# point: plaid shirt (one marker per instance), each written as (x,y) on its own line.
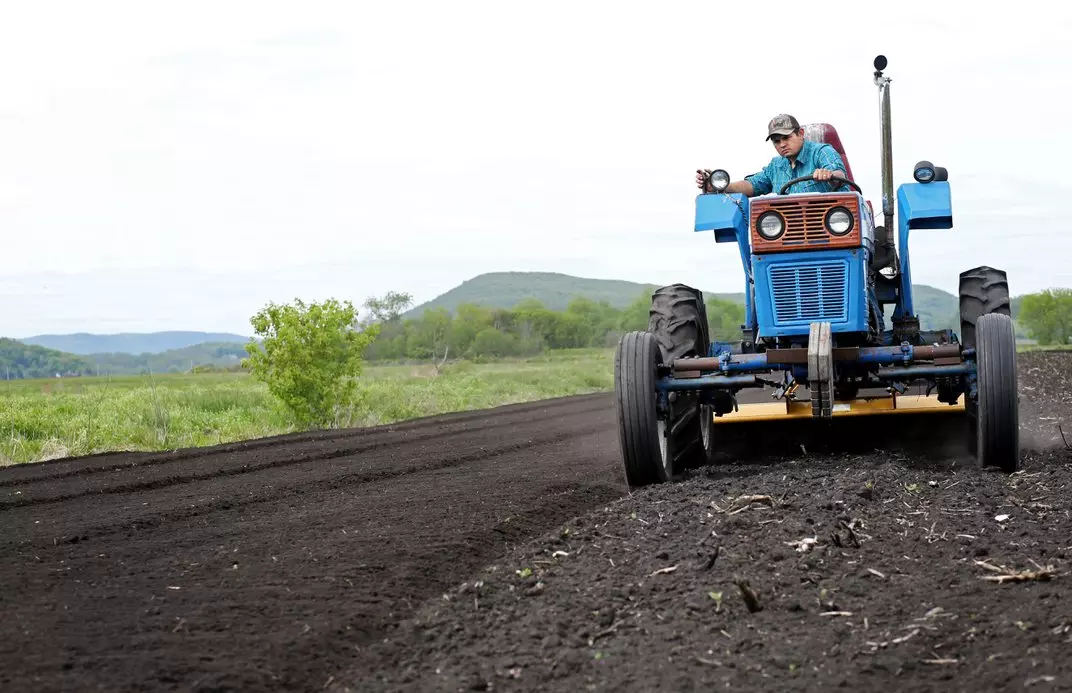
(812,155)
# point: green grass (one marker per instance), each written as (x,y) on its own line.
(49,418)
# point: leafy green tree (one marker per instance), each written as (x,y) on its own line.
(635,316)
(389,308)
(1047,315)
(469,320)
(309,356)
(429,335)
(724,318)
(492,342)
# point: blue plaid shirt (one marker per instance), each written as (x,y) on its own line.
(812,155)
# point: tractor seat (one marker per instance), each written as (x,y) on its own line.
(826,134)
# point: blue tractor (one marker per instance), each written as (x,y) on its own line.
(819,274)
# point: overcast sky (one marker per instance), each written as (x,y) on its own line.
(178,166)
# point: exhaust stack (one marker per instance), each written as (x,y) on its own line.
(883,84)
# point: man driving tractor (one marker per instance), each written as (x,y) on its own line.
(797,157)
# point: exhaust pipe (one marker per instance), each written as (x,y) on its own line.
(883,84)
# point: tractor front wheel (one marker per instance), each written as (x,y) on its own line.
(639,429)
(997,419)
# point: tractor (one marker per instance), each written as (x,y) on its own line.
(819,275)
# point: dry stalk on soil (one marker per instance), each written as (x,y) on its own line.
(742,503)
(1004,575)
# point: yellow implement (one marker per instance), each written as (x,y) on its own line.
(864,406)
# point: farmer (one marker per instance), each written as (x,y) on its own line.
(797,157)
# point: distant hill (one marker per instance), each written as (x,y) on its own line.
(221,355)
(128,343)
(18,360)
(936,308)
(507,289)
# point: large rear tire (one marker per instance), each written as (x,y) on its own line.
(997,427)
(678,320)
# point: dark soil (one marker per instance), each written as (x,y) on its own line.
(273,565)
(813,572)
(455,553)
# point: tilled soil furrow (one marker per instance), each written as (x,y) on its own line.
(213,466)
(282,577)
(147,510)
(237,453)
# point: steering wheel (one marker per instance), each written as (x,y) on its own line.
(838,179)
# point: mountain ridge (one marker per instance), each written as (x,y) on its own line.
(136,343)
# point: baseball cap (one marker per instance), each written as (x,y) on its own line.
(782,125)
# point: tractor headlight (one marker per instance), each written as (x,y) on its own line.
(770,225)
(720,180)
(926,172)
(838,221)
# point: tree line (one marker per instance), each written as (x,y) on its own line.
(1047,315)
(530,327)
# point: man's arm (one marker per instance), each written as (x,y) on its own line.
(829,165)
(741,186)
(757,183)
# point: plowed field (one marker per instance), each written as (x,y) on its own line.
(500,550)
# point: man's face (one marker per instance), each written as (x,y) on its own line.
(788,145)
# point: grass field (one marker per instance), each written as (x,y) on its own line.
(50,418)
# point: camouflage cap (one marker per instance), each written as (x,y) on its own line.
(782,125)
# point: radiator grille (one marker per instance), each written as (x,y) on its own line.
(804,228)
(803,293)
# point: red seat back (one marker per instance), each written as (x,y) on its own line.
(825,133)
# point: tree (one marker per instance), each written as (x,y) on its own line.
(389,308)
(1047,315)
(636,315)
(430,335)
(309,356)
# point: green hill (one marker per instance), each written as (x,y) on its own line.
(936,308)
(18,360)
(507,289)
(128,343)
(221,355)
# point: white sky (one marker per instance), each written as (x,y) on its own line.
(178,166)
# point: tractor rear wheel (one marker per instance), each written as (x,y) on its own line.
(678,319)
(983,291)
(997,424)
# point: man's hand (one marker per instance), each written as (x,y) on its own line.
(827,174)
(701,176)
